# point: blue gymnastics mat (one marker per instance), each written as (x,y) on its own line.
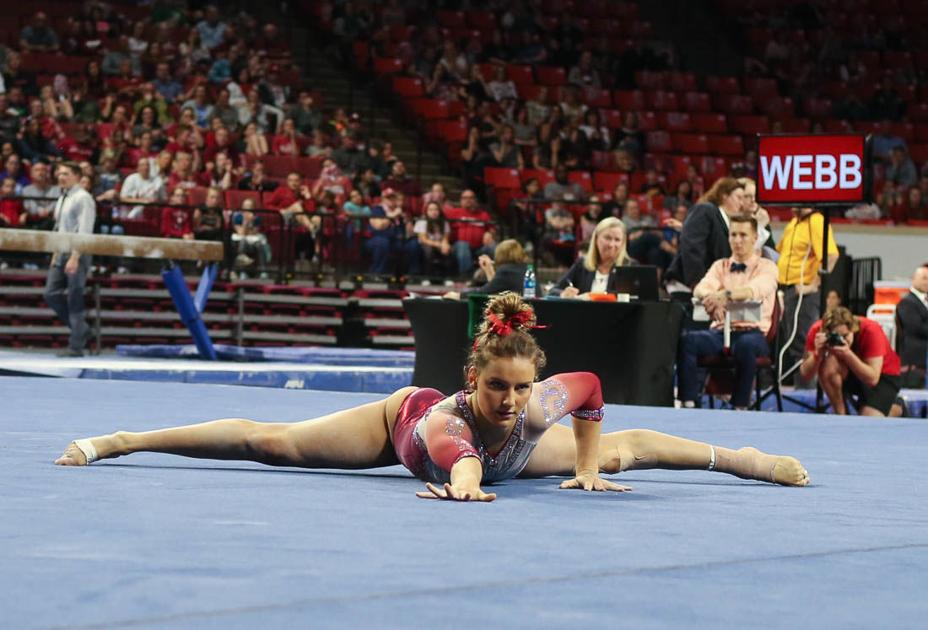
(160,541)
(361,377)
(310,354)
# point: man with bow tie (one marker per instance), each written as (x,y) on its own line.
(745,276)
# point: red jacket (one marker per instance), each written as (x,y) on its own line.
(472,233)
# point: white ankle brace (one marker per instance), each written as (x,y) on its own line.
(86,447)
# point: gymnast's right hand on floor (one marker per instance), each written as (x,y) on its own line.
(466,475)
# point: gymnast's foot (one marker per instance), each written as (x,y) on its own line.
(750,463)
(84,452)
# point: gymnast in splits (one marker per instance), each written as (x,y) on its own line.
(503,425)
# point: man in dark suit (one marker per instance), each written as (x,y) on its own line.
(912,319)
(704,237)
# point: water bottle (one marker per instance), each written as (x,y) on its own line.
(528,283)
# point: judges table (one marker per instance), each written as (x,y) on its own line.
(630,346)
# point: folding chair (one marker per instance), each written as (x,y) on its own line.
(720,368)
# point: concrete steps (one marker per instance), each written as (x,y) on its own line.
(337,91)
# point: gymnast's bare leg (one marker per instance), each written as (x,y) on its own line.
(639,449)
(351,439)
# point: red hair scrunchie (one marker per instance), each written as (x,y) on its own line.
(503,328)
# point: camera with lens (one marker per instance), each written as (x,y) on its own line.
(834,339)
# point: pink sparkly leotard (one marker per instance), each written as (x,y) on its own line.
(432,432)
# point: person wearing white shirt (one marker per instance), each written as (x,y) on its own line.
(75,212)
(141,187)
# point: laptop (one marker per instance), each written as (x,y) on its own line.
(639,281)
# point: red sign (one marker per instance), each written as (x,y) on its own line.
(812,170)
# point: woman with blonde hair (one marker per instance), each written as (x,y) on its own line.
(592,272)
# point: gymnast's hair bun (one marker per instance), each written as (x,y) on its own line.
(510,308)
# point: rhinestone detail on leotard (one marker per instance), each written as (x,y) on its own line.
(511,458)
(553,400)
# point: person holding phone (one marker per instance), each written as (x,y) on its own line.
(852,357)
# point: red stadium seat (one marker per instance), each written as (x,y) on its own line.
(279,165)
(778,107)
(543,176)
(647,121)
(817,107)
(904,130)
(691,143)
(712,168)
(682,81)
(628,100)
(583,178)
(196,196)
(520,75)
(501,177)
(919,153)
(606,182)
(662,100)
(723,85)
(430,108)
(408,87)
(612,118)
(308,167)
(897,59)
(797,125)
(234,198)
(733,103)
(551,75)
(449,19)
(675,121)
(710,123)
(387,65)
(658,142)
(482,20)
(749,125)
(837,126)
(760,88)
(452,130)
(592,97)
(647,80)
(726,145)
(679,164)
(696,102)
(921,133)
(918,112)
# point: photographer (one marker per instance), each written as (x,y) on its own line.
(852,356)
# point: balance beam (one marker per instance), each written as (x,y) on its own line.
(110,245)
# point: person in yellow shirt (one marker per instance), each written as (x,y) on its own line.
(798,266)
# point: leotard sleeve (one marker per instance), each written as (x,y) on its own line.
(448,439)
(575,393)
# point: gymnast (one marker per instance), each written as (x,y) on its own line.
(503,425)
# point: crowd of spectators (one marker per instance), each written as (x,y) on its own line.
(538,87)
(196,101)
(178,118)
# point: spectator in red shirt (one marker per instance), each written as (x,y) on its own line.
(292,200)
(852,357)
(175,221)
(12,213)
(219,141)
(471,240)
(288,141)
